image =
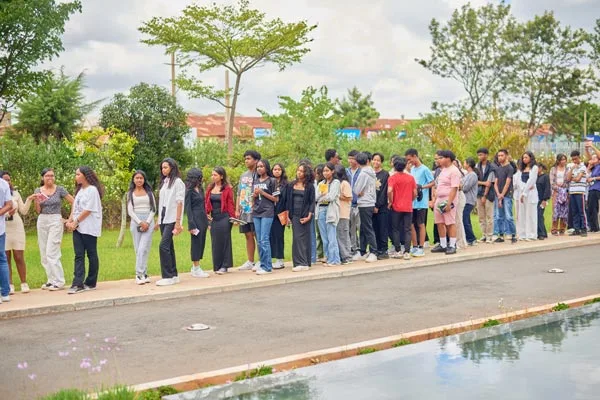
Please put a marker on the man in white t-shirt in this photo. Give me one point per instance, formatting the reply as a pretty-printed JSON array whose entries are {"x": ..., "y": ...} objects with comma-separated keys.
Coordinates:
[{"x": 7, "y": 205}]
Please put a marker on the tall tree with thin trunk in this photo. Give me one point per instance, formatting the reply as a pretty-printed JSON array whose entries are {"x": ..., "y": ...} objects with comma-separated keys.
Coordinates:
[
  {"x": 356, "y": 110},
  {"x": 237, "y": 38}
]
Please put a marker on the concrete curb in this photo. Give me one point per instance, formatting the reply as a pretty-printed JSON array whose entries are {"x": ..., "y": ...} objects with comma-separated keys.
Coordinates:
[
  {"x": 221, "y": 376},
  {"x": 380, "y": 266}
]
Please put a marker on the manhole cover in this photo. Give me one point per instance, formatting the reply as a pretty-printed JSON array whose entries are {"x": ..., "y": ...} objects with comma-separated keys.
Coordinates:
[{"x": 198, "y": 327}]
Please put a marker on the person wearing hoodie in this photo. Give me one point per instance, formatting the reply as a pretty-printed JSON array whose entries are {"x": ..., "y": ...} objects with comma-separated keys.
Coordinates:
[
  {"x": 365, "y": 190},
  {"x": 381, "y": 214}
]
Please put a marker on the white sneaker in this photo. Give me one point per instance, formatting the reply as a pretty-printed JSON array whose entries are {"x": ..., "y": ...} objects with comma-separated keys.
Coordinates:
[
  {"x": 147, "y": 279},
  {"x": 426, "y": 245},
  {"x": 489, "y": 241},
  {"x": 300, "y": 268},
  {"x": 139, "y": 280},
  {"x": 12, "y": 289},
  {"x": 176, "y": 279},
  {"x": 406, "y": 256},
  {"x": 5, "y": 299},
  {"x": 359, "y": 257},
  {"x": 165, "y": 282},
  {"x": 371, "y": 258},
  {"x": 247, "y": 266},
  {"x": 24, "y": 288},
  {"x": 331, "y": 265},
  {"x": 221, "y": 271},
  {"x": 396, "y": 255},
  {"x": 256, "y": 267},
  {"x": 261, "y": 271},
  {"x": 278, "y": 264},
  {"x": 197, "y": 272}
]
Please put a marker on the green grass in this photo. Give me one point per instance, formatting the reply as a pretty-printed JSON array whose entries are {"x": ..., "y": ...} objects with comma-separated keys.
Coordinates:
[
  {"x": 560, "y": 307},
  {"x": 260, "y": 371},
  {"x": 115, "y": 393},
  {"x": 490, "y": 322},
  {"x": 595, "y": 300},
  {"x": 402, "y": 342},
  {"x": 119, "y": 263},
  {"x": 156, "y": 394},
  {"x": 366, "y": 350}
]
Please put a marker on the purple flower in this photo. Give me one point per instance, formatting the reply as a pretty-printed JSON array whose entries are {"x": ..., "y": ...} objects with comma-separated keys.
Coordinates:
[
  {"x": 32, "y": 376},
  {"x": 103, "y": 362},
  {"x": 63, "y": 353},
  {"x": 108, "y": 348},
  {"x": 74, "y": 348},
  {"x": 22, "y": 365},
  {"x": 73, "y": 340},
  {"x": 85, "y": 363},
  {"x": 112, "y": 339},
  {"x": 97, "y": 369}
]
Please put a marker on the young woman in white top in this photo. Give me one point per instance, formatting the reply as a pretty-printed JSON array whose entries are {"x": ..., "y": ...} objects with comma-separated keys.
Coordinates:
[
  {"x": 86, "y": 224},
  {"x": 526, "y": 197},
  {"x": 141, "y": 207},
  {"x": 170, "y": 213},
  {"x": 329, "y": 214}
]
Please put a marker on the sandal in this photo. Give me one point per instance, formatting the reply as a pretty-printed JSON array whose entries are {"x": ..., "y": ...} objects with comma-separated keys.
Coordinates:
[{"x": 554, "y": 232}]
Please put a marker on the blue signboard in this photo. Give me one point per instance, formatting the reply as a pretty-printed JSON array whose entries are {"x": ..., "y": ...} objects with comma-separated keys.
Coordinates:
[
  {"x": 261, "y": 132},
  {"x": 350, "y": 133},
  {"x": 594, "y": 138}
]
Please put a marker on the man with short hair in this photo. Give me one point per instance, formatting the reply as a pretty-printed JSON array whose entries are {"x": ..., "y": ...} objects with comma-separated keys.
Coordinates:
[
  {"x": 402, "y": 191},
  {"x": 364, "y": 189},
  {"x": 6, "y": 205},
  {"x": 577, "y": 178},
  {"x": 381, "y": 214},
  {"x": 332, "y": 156},
  {"x": 424, "y": 180},
  {"x": 353, "y": 172},
  {"x": 445, "y": 203},
  {"x": 485, "y": 195},
  {"x": 243, "y": 209},
  {"x": 503, "y": 204}
]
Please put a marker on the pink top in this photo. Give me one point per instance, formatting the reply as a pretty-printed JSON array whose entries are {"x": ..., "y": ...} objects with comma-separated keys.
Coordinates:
[{"x": 449, "y": 178}]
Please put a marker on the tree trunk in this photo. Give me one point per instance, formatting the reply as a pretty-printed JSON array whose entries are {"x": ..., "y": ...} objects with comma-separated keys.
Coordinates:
[
  {"x": 123, "y": 221},
  {"x": 231, "y": 118}
]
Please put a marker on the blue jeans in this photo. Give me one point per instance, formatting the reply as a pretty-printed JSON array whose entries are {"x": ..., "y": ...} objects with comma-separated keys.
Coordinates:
[
  {"x": 262, "y": 227},
  {"x": 470, "y": 236},
  {"x": 505, "y": 224},
  {"x": 4, "y": 281},
  {"x": 313, "y": 241},
  {"x": 329, "y": 237}
]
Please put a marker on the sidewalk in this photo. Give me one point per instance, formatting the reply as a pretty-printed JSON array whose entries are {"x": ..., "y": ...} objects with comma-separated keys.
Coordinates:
[{"x": 115, "y": 293}]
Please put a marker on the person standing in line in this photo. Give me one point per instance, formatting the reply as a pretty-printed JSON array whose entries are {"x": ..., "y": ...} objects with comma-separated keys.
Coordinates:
[
  {"x": 141, "y": 207},
  {"x": 402, "y": 191},
  {"x": 544, "y": 193},
  {"x": 594, "y": 185},
  {"x": 503, "y": 206},
  {"x": 263, "y": 212},
  {"x": 277, "y": 229},
  {"x": 527, "y": 197},
  {"x": 469, "y": 182},
  {"x": 435, "y": 170},
  {"x": 170, "y": 208},
  {"x": 390, "y": 228},
  {"x": 577, "y": 178},
  {"x": 364, "y": 189},
  {"x": 318, "y": 253},
  {"x": 329, "y": 215},
  {"x": 353, "y": 172},
  {"x": 424, "y": 179},
  {"x": 381, "y": 213},
  {"x": 343, "y": 227},
  {"x": 86, "y": 224},
  {"x": 6, "y": 205},
  {"x": 485, "y": 195},
  {"x": 446, "y": 202},
  {"x": 461, "y": 241},
  {"x": 219, "y": 207},
  {"x": 332, "y": 156},
  {"x": 50, "y": 228},
  {"x": 194, "y": 206},
  {"x": 560, "y": 195},
  {"x": 243, "y": 208},
  {"x": 15, "y": 235},
  {"x": 301, "y": 202}
]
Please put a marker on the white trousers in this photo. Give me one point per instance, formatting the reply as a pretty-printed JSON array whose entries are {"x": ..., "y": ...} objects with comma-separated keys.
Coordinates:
[
  {"x": 50, "y": 232},
  {"x": 142, "y": 244},
  {"x": 526, "y": 220}
]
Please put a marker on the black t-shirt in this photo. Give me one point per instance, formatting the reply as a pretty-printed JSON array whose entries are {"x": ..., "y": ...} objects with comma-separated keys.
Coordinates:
[
  {"x": 263, "y": 207},
  {"x": 502, "y": 174}
]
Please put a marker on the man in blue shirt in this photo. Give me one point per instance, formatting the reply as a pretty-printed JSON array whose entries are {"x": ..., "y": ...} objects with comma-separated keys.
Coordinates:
[{"x": 425, "y": 182}]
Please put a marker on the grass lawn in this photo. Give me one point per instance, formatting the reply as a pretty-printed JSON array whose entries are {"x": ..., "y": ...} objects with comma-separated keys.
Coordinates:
[{"x": 119, "y": 263}]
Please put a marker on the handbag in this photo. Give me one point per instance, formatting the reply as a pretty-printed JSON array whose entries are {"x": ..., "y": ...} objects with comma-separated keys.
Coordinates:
[{"x": 284, "y": 217}]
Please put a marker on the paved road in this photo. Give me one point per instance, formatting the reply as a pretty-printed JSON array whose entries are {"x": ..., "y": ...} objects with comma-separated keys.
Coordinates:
[{"x": 147, "y": 341}]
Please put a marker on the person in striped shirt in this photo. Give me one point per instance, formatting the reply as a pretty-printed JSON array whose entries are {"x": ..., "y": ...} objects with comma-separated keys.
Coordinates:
[{"x": 577, "y": 178}]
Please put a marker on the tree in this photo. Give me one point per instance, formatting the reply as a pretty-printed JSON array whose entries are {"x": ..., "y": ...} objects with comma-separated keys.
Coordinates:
[
  {"x": 151, "y": 115},
  {"x": 236, "y": 38},
  {"x": 356, "y": 110},
  {"x": 55, "y": 109},
  {"x": 594, "y": 41},
  {"x": 546, "y": 72},
  {"x": 30, "y": 33},
  {"x": 470, "y": 49},
  {"x": 570, "y": 120}
]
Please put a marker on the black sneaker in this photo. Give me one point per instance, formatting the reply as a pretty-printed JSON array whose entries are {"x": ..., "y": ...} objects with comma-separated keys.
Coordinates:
[
  {"x": 513, "y": 239},
  {"x": 584, "y": 233},
  {"x": 383, "y": 256},
  {"x": 46, "y": 286},
  {"x": 76, "y": 289},
  {"x": 450, "y": 250},
  {"x": 499, "y": 239},
  {"x": 88, "y": 288},
  {"x": 438, "y": 249},
  {"x": 575, "y": 233}
]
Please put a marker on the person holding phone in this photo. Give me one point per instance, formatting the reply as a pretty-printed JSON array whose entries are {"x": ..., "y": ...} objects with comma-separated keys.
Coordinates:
[{"x": 219, "y": 207}]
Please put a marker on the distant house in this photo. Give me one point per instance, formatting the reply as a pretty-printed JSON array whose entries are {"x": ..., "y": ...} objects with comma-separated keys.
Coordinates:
[
  {"x": 6, "y": 122},
  {"x": 213, "y": 126}
]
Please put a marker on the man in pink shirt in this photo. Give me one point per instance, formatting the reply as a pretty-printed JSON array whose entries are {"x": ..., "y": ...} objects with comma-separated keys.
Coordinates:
[{"x": 446, "y": 192}]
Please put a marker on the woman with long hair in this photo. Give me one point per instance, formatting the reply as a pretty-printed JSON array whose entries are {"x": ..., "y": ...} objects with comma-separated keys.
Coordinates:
[
  {"x": 170, "y": 212},
  {"x": 469, "y": 183},
  {"x": 343, "y": 226},
  {"x": 219, "y": 208},
  {"x": 526, "y": 197},
  {"x": 15, "y": 235},
  {"x": 50, "y": 227},
  {"x": 329, "y": 214},
  {"x": 560, "y": 195},
  {"x": 86, "y": 224},
  {"x": 301, "y": 202},
  {"x": 263, "y": 212},
  {"x": 141, "y": 207},
  {"x": 197, "y": 219},
  {"x": 277, "y": 229}
]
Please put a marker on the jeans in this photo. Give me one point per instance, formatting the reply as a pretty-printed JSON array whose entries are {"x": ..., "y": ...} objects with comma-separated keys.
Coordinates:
[
  {"x": 166, "y": 251},
  {"x": 4, "y": 282},
  {"x": 83, "y": 244},
  {"x": 262, "y": 227},
  {"x": 577, "y": 209},
  {"x": 329, "y": 237},
  {"x": 505, "y": 223},
  {"x": 469, "y": 235},
  {"x": 142, "y": 243},
  {"x": 367, "y": 234}
]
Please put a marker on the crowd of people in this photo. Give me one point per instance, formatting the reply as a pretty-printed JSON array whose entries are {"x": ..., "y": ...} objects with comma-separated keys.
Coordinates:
[{"x": 337, "y": 215}]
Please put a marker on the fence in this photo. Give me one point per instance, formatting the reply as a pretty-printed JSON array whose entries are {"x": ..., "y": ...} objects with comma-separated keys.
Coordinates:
[{"x": 554, "y": 147}]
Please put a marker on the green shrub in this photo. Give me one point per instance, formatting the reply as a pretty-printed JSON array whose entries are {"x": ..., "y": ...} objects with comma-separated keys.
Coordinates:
[
  {"x": 260, "y": 371},
  {"x": 595, "y": 300},
  {"x": 67, "y": 394},
  {"x": 367, "y": 350},
  {"x": 560, "y": 307},
  {"x": 402, "y": 342},
  {"x": 490, "y": 322}
]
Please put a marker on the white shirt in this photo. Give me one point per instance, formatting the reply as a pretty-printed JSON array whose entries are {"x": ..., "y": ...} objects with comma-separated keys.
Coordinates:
[
  {"x": 5, "y": 197},
  {"x": 141, "y": 207},
  {"x": 88, "y": 199},
  {"x": 168, "y": 198}
]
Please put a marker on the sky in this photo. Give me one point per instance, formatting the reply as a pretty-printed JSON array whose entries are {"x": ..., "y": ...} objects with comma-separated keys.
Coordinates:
[{"x": 371, "y": 45}]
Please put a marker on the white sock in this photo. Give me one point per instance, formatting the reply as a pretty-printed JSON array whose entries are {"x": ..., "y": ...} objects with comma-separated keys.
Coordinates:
[
  {"x": 453, "y": 242},
  {"x": 444, "y": 242}
]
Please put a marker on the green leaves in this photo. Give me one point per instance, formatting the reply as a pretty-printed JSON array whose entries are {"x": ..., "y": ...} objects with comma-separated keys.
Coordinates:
[{"x": 356, "y": 110}]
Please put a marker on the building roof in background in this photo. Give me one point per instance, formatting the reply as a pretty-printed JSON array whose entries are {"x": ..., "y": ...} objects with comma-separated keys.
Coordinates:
[
  {"x": 213, "y": 125},
  {"x": 545, "y": 130}
]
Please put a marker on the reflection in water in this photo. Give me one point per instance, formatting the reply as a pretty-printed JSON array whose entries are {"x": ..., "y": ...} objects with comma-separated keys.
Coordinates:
[{"x": 294, "y": 391}]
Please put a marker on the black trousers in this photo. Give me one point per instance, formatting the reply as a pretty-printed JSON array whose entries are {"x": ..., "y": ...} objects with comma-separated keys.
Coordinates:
[
  {"x": 277, "y": 239},
  {"x": 593, "y": 199},
  {"x": 301, "y": 243},
  {"x": 367, "y": 233},
  {"x": 380, "y": 226},
  {"x": 402, "y": 223},
  {"x": 541, "y": 232},
  {"x": 83, "y": 244},
  {"x": 166, "y": 250},
  {"x": 197, "y": 245},
  {"x": 577, "y": 211}
]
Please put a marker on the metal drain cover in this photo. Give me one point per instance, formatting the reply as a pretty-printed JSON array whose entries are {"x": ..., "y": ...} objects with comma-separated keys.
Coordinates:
[{"x": 198, "y": 327}]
